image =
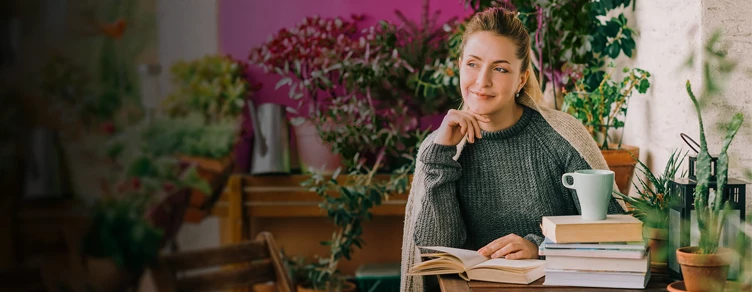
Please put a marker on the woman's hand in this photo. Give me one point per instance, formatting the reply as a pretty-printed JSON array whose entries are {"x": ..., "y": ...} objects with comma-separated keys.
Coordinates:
[
  {"x": 511, "y": 247},
  {"x": 456, "y": 125}
]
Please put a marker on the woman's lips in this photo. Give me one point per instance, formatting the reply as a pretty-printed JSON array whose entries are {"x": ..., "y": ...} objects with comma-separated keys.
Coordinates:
[{"x": 482, "y": 95}]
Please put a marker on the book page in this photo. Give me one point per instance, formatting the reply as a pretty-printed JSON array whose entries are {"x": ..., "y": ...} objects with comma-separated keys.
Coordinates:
[
  {"x": 515, "y": 266},
  {"x": 441, "y": 265},
  {"x": 469, "y": 258}
]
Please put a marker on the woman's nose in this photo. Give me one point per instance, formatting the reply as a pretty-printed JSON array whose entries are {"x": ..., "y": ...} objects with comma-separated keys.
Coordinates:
[{"x": 483, "y": 79}]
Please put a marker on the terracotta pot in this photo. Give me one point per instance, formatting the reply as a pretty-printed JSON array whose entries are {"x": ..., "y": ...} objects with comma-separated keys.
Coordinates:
[
  {"x": 704, "y": 272},
  {"x": 658, "y": 242},
  {"x": 622, "y": 164},
  {"x": 265, "y": 287},
  {"x": 198, "y": 199},
  {"x": 312, "y": 152},
  {"x": 102, "y": 274},
  {"x": 347, "y": 287},
  {"x": 210, "y": 165},
  {"x": 194, "y": 215},
  {"x": 215, "y": 173}
]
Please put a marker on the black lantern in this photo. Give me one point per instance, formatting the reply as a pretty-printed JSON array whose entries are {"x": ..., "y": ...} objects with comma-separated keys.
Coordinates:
[{"x": 683, "y": 230}]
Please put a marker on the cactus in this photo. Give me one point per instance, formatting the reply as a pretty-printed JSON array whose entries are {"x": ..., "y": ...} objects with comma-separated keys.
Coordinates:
[{"x": 712, "y": 217}]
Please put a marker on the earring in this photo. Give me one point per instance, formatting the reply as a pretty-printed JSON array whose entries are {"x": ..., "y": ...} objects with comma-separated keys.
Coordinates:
[{"x": 517, "y": 94}]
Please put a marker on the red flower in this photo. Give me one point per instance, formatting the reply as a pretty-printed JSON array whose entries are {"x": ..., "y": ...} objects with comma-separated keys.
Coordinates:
[
  {"x": 168, "y": 187},
  {"x": 108, "y": 128},
  {"x": 136, "y": 183}
]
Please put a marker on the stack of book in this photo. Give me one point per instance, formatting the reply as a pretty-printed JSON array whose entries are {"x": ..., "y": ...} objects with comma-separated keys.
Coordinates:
[{"x": 609, "y": 253}]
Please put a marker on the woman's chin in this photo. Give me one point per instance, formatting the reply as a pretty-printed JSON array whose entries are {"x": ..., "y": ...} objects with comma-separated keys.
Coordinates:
[{"x": 481, "y": 110}]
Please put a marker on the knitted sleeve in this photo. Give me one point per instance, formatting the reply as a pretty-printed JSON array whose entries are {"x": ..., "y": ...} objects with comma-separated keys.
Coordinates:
[{"x": 439, "y": 222}]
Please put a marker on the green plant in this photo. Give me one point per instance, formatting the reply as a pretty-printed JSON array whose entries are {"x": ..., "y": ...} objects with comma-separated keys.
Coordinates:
[
  {"x": 601, "y": 108},
  {"x": 191, "y": 135},
  {"x": 214, "y": 85},
  {"x": 711, "y": 215},
  {"x": 357, "y": 193},
  {"x": 144, "y": 159},
  {"x": 570, "y": 36},
  {"x": 120, "y": 231},
  {"x": 653, "y": 204},
  {"x": 711, "y": 210},
  {"x": 95, "y": 74},
  {"x": 743, "y": 248},
  {"x": 434, "y": 84}
]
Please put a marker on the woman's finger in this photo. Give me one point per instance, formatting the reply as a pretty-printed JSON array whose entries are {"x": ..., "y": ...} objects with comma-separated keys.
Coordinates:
[
  {"x": 494, "y": 246},
  {"x": 512, "y": 247},
  {"x": 516, "y": 255},
  {"x": 478, "y": 116},
  {"x": 474, "y": 122},
  {"x": 463, "y": 125}
]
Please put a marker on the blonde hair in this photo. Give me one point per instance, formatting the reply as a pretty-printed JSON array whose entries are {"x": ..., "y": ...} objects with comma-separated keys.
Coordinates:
[{"x": 505, "y": 23}]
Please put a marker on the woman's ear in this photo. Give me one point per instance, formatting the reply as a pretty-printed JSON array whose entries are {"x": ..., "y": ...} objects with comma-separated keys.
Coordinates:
[{"x": 523, "y": 80}]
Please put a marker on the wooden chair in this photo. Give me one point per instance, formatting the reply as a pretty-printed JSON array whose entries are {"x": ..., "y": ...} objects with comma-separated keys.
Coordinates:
[{"x": 253, "y": 262}]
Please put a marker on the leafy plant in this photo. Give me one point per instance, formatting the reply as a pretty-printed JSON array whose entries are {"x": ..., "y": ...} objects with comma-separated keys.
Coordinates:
[
  {"x": 191, "y": 135},
  {"x": 571, "y": 36},
  {"x": 349, "y": 85},
  {"x": 119, "y": 231},
  {"x": 358, "y": 192},
  {"x": 653, "y": 204},
  {"x": 144, "y": 159},
  {"x": 433, "y": 86},
  {"x": 214, "y": 85},
  {"x": 601, "y": 108}
]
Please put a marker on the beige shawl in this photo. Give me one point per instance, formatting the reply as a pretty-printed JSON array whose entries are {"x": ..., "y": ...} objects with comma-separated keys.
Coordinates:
[{"x": 566, "y": 125}]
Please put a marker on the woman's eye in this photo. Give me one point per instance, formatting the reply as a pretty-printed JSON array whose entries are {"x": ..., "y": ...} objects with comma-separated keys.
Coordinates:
[
  {"x": 502, "y": 70},
  {"x": 471, "y": 65}
]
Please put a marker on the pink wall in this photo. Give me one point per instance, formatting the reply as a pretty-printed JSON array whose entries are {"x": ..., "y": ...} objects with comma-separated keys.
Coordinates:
[{"x": 244, "y": 24}]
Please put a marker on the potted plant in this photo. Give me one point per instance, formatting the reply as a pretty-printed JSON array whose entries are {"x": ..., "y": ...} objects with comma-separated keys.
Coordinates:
[
  {"x": 145, "y": 154},
  {"x": 119, "y": 244},
  {"x": 604, "y": 108},
  {"x": 652, "y": 206},
  {"x": 705, "y": 267},
  {"x": 345, "y": 79},
  {"x": 204, "y": 112}
]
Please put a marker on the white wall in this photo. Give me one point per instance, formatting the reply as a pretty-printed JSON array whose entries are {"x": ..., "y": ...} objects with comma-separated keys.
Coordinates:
[
  {"x": 187, "y": 29},
  {"x": 668, "y": 30},
  {"x": 732, "y": 17}
]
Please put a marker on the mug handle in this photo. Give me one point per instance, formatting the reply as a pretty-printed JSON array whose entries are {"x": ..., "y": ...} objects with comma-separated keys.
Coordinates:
[{"x": 567, "y": 184}]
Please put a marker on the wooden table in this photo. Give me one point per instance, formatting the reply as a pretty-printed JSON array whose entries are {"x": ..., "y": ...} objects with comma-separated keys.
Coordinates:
[
  {"x": 280, "y": 205},
  {"x": 454, "y": 283}
]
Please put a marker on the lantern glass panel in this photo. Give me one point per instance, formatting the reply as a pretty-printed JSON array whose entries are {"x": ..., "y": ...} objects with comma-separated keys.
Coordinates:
[{"x": 674, "y": 239}]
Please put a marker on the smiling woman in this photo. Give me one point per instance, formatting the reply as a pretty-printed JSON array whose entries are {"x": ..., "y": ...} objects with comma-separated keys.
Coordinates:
[{"x": 514, "y": 153}]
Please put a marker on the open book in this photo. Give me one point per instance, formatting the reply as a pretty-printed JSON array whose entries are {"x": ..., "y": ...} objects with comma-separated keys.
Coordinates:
[{"x": 472, "y": 266}]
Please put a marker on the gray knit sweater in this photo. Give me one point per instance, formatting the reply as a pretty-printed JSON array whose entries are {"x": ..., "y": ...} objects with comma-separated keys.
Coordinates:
[{"x": 501, "y": 184}]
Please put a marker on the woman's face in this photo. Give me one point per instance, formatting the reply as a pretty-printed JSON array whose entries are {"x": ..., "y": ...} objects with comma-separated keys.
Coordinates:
[{"x": 490, "y": 73}]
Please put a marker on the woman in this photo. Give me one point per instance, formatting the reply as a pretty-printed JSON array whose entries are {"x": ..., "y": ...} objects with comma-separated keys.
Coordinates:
[{"x": 513, "y": 153}]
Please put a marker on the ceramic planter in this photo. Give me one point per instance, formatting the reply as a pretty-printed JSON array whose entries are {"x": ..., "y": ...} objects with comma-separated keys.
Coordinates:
[
  {"x": 704, "y": 272},
  {"x": 622, "y": 164},
  {"x": 312, "y": 151},
  {"x": 658, "y": 243}
]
